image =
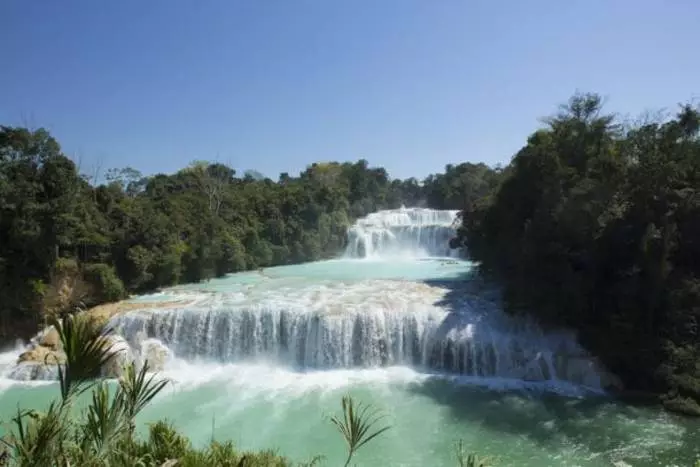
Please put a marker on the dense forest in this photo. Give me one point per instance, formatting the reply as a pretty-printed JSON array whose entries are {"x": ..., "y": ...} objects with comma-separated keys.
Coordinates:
[
  {"x": 597, "y": 227},
  {"x": 65, "y": 242}
]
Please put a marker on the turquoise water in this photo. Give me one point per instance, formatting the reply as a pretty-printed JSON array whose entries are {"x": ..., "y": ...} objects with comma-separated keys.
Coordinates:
[
  {"x": 349, "y": 270},
  {"x": 265, "y": 404}
]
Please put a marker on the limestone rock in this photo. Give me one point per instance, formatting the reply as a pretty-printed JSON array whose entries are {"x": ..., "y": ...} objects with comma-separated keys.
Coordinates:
[
  {"x": 44, "y": 355},
  {"x": 50, "y": 339}
]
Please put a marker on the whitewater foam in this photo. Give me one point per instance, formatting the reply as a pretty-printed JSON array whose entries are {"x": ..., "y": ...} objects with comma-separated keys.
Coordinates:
[
  {"x": 362, "y": 324},
  {"x": 403, "y": 233},
  {"x": 256, "y": 378}
]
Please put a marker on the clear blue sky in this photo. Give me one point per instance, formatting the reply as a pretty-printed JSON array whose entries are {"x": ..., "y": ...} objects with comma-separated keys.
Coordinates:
[{"x": 274, "y": 85}]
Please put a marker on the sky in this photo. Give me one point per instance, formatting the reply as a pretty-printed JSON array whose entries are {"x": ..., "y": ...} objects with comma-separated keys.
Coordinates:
[{"x": 274, "y": 85}]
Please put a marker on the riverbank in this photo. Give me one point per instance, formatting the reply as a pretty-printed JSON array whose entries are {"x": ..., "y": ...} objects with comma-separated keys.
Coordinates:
[{"x": 595, "y": 230}]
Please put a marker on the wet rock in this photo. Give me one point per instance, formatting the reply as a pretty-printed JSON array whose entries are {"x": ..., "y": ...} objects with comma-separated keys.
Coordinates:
[
  {"x": 586, "y": 370},
  {"x": 43, "y": 355}
]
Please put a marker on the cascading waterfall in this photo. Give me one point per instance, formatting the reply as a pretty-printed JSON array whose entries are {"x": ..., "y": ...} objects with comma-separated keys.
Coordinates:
[
  {"x": 403, "y": 327},
  {"x": 405, "y": 232},
  {"x": 344, "y": 319}
]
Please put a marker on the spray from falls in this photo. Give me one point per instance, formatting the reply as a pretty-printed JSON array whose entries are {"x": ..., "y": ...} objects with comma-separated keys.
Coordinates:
[{"x": 405, "y": 232}]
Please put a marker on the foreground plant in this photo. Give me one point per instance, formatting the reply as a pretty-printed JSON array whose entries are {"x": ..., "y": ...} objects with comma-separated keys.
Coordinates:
[
  {"x": 465, "y": 459},
  {"x": 355, "y": 425},
  {"x": 38, "y": 436},
  {"x": 53, "y": 437},
  {"x": 104, "y": 433},
  {"x": 87, "y": 348}
]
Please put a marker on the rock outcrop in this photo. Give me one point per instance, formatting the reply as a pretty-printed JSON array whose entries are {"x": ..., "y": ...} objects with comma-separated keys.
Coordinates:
[{"x": 45, "y": 351}]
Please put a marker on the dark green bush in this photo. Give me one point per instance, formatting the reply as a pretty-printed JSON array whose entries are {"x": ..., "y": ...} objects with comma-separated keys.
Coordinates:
[{"x": 107, "y": 285}]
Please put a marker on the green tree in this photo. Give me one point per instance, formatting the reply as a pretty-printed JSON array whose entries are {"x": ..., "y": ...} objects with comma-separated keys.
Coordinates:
[{"x": 595, "y": 227}]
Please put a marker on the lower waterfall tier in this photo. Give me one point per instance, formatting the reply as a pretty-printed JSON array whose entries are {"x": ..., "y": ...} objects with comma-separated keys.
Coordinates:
[
  {"x": 345, "y": 314},
  {"x": 402, "y": 323}
]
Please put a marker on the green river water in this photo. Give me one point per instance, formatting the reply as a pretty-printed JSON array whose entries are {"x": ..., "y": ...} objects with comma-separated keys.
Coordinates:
[{"x": 264, "y": 402}]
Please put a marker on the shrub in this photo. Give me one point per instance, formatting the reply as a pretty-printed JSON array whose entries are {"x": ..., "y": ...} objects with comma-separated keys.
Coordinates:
[{"x": 107, "y": 285}]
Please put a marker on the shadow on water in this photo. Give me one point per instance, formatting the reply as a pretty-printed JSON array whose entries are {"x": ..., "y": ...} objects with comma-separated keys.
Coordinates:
[
  {"x": 641, "y": 434},
  {"x": 597, "y": 424}
]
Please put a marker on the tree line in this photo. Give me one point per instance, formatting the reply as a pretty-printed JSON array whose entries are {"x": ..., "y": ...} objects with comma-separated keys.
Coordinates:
[
  {"x": 66, "y": 242},
  {"x": 596, "y": 226}
]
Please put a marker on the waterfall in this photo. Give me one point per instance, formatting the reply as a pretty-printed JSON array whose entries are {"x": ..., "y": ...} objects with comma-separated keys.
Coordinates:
[
  {"x": 345, "y": 314},
  {"x": 405, "y": 232},
  {"x": 367, "y": 324},
  {"x": 317, "y": 340}
]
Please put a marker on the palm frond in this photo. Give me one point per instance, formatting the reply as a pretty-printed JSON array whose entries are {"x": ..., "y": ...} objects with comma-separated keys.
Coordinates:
[
  {"x": 105, "y": 424},
  {"x": 87, "y": 350},
  {"x": 355, "y": 425},
  {"x": 38, "y": 435},
  {"x": 136, "y": 390}
]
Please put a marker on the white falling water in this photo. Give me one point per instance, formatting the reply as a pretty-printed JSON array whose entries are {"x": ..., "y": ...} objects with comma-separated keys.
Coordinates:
[
  {"x": 405, "y": 232},
  {"x": 286, "y": 317},
  {"x": 366, "y": 324}
]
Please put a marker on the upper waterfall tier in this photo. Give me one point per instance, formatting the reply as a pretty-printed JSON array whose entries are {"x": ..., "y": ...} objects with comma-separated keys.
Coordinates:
[{"x": 405, "y": 232}]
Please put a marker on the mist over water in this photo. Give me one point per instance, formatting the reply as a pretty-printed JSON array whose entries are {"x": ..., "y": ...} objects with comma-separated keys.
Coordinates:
[{"x": 399, "y": 321}]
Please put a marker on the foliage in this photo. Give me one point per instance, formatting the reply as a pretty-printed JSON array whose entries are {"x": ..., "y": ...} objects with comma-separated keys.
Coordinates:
[
  {"x": 108, "y": 287},
  {"x": 596, "y": 227},
  {"x": 65, "y": 242},
  {"x": 356, "y": 424},
  {"x": 87, "y": 350}
]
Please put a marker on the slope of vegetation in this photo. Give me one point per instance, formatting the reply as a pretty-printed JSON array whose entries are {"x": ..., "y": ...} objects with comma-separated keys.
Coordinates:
[
  {"x": 66, "y": 242},
  {"x": 597, "y": 227}
]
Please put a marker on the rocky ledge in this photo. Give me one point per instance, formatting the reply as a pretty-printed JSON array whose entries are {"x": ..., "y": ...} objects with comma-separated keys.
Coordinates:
[{"x": 45, "y": 352}]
